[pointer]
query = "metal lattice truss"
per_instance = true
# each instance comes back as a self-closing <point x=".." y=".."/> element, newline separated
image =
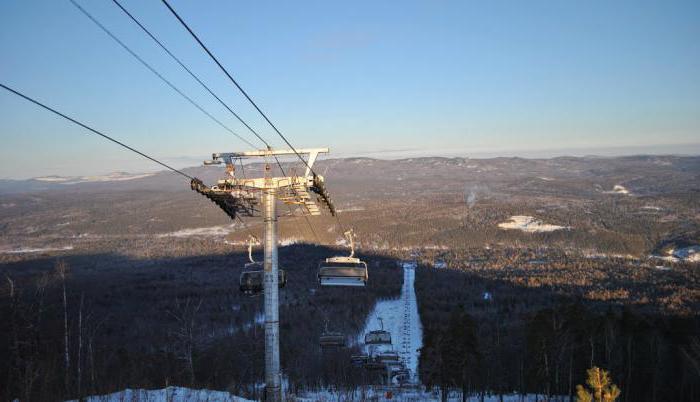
<point x="242" y="195"/>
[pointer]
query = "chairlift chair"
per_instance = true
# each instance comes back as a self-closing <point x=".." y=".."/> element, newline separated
<point x="343" y="271"/>
<point x="251" y="281"/>
<point x="378" y="336"/>
<point x="388" y="357"/>
<point x="359" y="360"/>
<point x="330" y="339"/>
<point x="374" y="364"/>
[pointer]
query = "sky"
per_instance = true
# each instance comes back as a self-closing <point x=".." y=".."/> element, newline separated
<point x="365" y="78"/>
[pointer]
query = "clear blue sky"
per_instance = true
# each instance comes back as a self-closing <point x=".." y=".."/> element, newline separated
<point x="363" y="77"/>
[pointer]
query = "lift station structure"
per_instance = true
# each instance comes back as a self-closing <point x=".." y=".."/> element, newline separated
<point x="241" y="196"/>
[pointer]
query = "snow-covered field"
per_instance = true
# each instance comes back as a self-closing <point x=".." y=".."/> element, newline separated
<point x="119" y="176"/>
<point x="379" y="394"/>
<point x="685" y="254"/>
<point x="35" y="250"/>
<point x="400" y="317"/>
<point x="528" y="224"/>
<point x="211" y="231"/>
<point x="618" y="189"/>
<point x="170" y="394"/>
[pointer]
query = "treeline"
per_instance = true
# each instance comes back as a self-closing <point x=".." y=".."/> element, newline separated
<point x="539" y="343"/>
<point x="124" y="323"/>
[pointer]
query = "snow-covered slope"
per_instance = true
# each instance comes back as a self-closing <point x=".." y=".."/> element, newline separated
<point x="528" y="224"/>
<point x="170" y="394"/>
<point x="400" y="317"/>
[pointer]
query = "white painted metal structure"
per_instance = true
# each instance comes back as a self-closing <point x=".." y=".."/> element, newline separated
<point x="290" y="190"/>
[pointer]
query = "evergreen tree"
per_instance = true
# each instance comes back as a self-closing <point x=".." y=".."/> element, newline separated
<point x="601" y="387"/>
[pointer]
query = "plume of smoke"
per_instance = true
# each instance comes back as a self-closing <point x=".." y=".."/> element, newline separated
<point x="472" y="192"/>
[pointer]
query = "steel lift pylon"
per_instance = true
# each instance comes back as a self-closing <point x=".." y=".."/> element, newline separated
<point x="240" y="196"/>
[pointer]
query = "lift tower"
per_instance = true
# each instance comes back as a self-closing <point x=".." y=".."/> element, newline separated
<point x="240" y="196"/>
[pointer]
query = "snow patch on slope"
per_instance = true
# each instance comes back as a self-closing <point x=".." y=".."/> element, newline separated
<point x="684" y="254"/>
<point x="529" y="224"/>
<point x="210" y="231"/>
<point x="618" y="189"/>
<point x="118" y="176"/>
<point x="35" y="250"/>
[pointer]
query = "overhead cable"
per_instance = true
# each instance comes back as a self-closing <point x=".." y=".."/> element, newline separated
<point x="85" y="126"/>
<point x="193" y="75"/>
<point x="159" y="75"/>
<point x="230" y="77"/>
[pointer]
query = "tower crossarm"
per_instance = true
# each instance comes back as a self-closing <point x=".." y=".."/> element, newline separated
<point x="227" y="157"/>
<point x="262" y="183"/>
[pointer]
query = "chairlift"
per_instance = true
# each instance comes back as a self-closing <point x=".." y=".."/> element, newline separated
<point x="401" y="376"/>
<point x="374" y="364"/>
<point x="252" y="278"/>
<point x="388" y="357"/>
<point x="359" y="360"/>
<point x="330" y="339"/>
<point x="378" y="336"/>
<point x="343" y="271"/>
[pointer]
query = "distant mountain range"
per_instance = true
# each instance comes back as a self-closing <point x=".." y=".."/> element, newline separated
<point x="655" y="173"/>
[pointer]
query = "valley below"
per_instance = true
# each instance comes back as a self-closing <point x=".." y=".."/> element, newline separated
<point x="525" y="273"/>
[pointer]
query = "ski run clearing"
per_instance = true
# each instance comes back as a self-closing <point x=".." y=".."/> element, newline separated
<point x="400" y="317"/>
<point x="529" y="224"/>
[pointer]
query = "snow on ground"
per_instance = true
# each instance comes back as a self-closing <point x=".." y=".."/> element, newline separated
<point x="351" y="209"/>
<point x="210" y="231"/>
<point x="529" y="224"/>
<point x="691" y="253"/>
<point x="288" y="241"/>
<point x="593" y="255"/>
<point x="379" y="394"/>
<point x="119" y="176"/>
<point x="618" y="189"/>
<point x="400" y="317"/>
<point x="169" y="394"/>
<point x="52" y="179"/>
<point x="35" y="250"/>
<point x="685" y="254"/>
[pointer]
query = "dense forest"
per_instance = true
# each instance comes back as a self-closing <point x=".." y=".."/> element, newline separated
<point x="95" y="324"/>
<point x="484" y="336"/>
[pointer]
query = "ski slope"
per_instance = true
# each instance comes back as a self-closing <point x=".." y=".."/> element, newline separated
<point x="400" y="317"/>
<point x="169" y="394"/>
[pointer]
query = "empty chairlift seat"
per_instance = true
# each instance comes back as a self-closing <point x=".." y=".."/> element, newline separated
<point x="389" y="357"/>
<point x="359" y="360"/>
<point x="332" y="340"/>
<point x="251" y="281"/>
<point x="378" y="337"/>
<point x="374" y="364"/>
<point x="342" y="271"/>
